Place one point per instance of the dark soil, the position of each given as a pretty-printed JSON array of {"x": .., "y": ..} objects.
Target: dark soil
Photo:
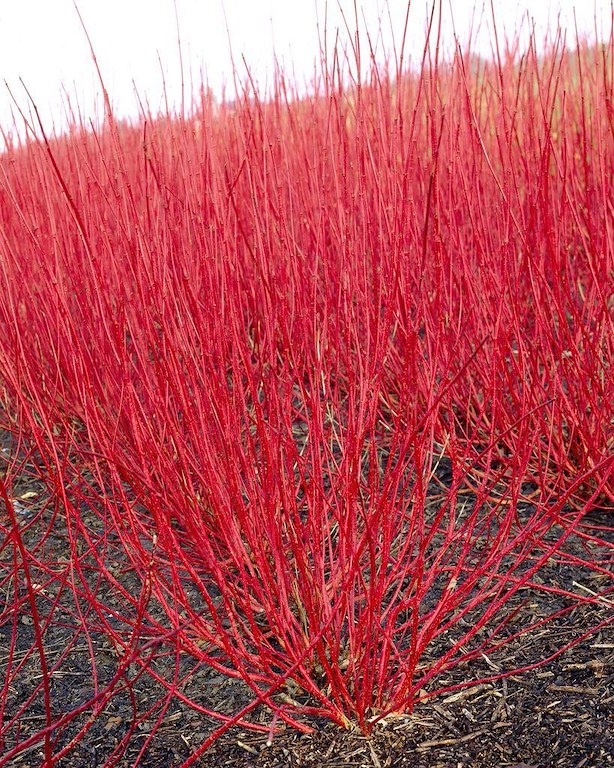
[{"x": 560, "y": 714}]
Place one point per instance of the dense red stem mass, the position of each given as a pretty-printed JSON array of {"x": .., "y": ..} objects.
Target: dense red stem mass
[{"x": 331, "y": 375}]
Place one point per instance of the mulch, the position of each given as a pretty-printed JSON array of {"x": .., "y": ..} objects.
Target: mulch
[{"x": 559, "y": 715}]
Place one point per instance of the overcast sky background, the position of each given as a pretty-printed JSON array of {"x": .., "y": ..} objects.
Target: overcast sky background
[{"x": 42, "y": 42}]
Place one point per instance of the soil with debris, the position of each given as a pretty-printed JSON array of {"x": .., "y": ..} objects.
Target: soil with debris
[{"x": 559, "y": 715}]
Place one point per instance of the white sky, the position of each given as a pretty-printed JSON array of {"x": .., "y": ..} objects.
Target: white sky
[{"x": 41, "y": 41}]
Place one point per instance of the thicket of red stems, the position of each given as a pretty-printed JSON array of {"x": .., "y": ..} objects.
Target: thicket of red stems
[{"x": 333, "y": 372}]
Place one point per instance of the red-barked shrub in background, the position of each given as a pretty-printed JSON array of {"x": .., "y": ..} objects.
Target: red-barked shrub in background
[{"x": 301, "y": 365}]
